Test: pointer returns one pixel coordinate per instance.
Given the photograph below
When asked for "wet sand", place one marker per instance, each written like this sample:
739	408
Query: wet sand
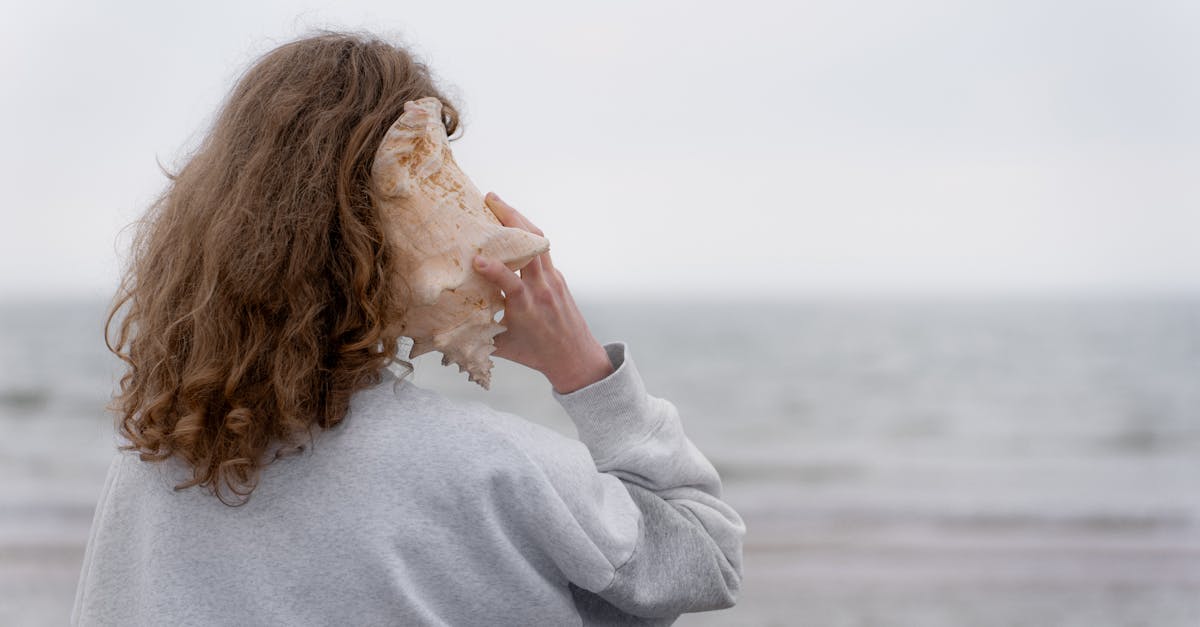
848	572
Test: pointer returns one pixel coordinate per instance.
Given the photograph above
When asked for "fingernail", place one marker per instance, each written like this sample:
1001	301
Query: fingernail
480	262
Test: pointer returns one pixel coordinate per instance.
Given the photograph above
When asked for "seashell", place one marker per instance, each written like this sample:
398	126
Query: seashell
436	222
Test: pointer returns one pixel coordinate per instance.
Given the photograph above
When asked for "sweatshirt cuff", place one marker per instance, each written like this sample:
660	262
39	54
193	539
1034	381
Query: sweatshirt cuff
614	412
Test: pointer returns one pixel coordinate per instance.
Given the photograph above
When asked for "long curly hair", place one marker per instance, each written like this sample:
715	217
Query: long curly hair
257	299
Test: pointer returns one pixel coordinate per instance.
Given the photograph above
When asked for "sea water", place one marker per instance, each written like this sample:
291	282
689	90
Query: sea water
1019	461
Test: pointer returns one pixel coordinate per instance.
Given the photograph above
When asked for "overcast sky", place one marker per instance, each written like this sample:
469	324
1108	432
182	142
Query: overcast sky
791	147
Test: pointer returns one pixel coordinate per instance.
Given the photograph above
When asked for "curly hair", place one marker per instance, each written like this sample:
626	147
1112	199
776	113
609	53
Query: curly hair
257	299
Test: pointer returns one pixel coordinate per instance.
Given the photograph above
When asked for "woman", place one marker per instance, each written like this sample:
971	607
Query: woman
274	472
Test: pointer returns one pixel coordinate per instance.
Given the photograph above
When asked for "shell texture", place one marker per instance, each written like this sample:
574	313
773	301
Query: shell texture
437	222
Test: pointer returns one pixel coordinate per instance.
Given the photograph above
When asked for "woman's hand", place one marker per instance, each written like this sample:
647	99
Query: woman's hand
544	329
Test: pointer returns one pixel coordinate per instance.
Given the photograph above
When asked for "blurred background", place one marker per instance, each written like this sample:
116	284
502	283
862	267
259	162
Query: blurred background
923	278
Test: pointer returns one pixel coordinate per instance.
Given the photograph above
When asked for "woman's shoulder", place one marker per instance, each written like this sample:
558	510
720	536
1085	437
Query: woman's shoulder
398	414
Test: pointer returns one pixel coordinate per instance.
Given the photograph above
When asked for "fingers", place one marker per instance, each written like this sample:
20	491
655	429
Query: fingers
499	275
533	269
529	226
547	264
503	212
508	215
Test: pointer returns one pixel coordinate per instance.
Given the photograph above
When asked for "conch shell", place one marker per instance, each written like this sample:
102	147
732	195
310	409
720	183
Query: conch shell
436	223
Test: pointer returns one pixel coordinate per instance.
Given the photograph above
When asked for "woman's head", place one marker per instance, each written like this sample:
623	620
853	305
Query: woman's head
256	300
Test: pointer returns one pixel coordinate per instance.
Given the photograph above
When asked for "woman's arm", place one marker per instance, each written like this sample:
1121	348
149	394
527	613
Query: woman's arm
544	329
632	513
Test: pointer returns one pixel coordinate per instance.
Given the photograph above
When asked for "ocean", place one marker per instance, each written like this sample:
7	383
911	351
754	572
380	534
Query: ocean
937	462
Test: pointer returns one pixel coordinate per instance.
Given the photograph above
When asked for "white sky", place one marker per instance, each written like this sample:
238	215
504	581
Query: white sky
671	147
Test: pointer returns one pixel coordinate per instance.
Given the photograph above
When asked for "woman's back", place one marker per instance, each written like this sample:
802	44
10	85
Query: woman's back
418	510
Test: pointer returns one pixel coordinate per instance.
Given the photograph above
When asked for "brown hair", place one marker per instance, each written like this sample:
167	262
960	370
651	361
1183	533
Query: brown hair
257	298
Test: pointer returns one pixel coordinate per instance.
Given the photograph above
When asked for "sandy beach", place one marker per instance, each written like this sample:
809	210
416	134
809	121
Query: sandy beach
893	466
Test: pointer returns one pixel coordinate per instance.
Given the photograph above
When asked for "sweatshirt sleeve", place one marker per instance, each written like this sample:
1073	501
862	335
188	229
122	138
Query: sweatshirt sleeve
631	513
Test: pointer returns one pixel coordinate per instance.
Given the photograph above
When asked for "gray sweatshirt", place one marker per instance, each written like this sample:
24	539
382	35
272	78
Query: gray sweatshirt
418	510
